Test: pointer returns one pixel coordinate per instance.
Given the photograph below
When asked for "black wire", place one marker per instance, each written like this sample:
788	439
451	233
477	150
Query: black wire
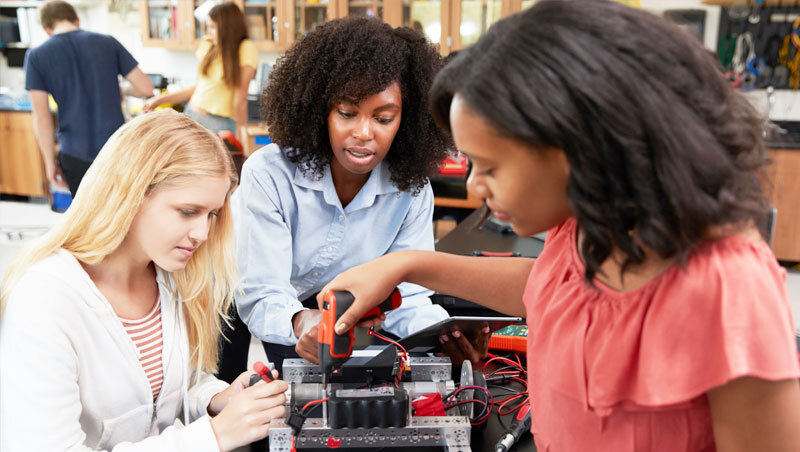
514	367
500	418
506	388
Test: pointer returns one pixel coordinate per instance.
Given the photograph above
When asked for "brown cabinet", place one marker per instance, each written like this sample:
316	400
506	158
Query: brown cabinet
21	168
783	191
275	24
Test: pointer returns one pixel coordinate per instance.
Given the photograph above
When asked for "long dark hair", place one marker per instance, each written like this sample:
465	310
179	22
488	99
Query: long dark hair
660	147
231	31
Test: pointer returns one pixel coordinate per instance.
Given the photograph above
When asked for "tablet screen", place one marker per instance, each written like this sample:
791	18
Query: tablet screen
427	339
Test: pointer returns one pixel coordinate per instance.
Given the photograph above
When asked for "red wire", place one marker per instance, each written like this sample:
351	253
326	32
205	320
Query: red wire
372	332
313	402
504	360
513	408
512	397
520	380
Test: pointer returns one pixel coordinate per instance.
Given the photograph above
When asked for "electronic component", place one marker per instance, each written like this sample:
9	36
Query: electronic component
365	408
335	349
513	338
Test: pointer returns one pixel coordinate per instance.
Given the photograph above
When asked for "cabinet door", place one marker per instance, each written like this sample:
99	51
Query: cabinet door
783	190
305	15
431	18
162	23
472	18
366	8
21	168
264	24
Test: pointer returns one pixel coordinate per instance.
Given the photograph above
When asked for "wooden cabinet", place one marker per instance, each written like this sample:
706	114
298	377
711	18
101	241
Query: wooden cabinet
266	23
783	190
21	168
167	23
275	24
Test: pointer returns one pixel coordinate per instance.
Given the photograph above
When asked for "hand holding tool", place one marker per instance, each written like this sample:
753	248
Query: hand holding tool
262	372
335	349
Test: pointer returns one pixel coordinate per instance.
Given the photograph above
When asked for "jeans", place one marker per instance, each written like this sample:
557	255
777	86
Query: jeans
211	122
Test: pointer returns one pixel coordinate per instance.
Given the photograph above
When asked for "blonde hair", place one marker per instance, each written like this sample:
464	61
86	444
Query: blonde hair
143	155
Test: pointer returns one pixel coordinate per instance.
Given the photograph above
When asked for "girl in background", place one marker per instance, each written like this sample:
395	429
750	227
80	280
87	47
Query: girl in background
658	316
110	321
228	61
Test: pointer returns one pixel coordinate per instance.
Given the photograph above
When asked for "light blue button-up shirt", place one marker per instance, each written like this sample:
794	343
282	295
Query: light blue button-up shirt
293	236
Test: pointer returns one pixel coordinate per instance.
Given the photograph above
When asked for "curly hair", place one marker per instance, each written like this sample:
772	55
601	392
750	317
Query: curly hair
661	149
351	59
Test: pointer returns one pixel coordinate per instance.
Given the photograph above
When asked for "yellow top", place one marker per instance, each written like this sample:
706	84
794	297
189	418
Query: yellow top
211	94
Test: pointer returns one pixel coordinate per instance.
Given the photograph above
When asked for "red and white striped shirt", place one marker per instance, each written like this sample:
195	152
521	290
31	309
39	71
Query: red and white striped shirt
146	335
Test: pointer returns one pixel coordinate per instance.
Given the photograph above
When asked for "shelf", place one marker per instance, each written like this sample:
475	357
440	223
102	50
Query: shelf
14	45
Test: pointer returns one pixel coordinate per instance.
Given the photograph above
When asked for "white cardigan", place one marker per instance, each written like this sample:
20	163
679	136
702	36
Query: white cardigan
70	377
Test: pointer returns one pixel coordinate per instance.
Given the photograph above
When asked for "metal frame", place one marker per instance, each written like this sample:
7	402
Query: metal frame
433	368
427	374
450	432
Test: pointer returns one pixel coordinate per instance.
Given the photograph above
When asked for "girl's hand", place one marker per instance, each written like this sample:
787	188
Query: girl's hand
460	349
151	104
248	412
370	284
221	399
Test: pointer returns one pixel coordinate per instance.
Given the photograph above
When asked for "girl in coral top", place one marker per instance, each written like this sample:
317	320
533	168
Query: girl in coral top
658	316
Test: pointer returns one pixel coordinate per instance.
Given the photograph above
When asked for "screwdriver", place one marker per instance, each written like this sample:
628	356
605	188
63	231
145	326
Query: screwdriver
263	372
521	424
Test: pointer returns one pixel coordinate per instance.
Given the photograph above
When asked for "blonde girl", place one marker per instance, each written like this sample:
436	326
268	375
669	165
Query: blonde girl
110	321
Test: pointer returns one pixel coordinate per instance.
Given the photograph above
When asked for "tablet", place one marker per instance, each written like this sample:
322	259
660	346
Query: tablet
427	339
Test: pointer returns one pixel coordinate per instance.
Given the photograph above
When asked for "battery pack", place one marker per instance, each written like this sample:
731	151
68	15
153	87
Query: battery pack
366	408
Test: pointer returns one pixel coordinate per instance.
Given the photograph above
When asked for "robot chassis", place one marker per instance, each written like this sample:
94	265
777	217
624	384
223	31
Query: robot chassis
428	375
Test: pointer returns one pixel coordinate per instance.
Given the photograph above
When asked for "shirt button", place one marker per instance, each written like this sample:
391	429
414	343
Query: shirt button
341	217
330	249
315	274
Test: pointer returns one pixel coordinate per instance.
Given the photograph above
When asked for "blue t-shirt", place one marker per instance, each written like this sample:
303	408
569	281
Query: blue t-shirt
79	69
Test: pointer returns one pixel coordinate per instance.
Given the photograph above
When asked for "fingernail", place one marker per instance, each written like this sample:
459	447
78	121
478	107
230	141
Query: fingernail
341	328
486	329
443	338
456	334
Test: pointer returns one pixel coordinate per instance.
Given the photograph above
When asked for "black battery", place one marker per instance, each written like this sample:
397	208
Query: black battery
384	407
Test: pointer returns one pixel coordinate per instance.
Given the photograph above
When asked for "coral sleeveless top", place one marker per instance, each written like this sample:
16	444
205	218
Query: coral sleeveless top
629	371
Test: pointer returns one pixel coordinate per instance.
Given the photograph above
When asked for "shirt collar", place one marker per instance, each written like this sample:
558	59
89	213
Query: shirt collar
379	183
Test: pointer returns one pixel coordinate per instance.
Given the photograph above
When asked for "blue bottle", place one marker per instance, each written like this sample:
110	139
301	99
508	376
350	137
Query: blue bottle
60	199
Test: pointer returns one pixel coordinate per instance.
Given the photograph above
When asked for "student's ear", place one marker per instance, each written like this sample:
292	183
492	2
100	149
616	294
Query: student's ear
49	31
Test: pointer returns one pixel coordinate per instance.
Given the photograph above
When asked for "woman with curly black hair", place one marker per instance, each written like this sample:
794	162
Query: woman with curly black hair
345	181
658	315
